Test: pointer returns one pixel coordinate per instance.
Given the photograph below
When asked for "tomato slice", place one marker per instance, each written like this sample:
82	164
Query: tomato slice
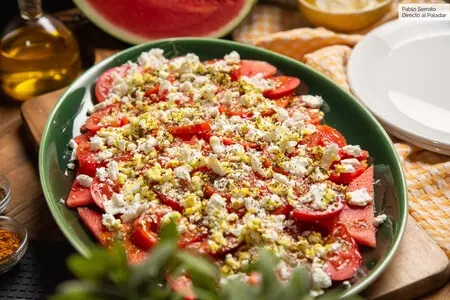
346	178
79	195
311	215
345	262
143	238
283	102
359	220
93	123
197	128
285	209
284	85
203	247
326	135
101	190
105	82
251	68
169	202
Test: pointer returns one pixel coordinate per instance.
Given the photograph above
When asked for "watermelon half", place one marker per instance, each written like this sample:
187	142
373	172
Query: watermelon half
138	21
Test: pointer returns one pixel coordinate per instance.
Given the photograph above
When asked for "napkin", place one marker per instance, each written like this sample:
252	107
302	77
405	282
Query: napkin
280	27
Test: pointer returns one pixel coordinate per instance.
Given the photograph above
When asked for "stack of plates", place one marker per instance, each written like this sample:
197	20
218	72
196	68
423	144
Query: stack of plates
401	72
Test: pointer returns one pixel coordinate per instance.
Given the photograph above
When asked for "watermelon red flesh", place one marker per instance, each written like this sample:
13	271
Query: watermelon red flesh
137	21
359	220
93	221
79	195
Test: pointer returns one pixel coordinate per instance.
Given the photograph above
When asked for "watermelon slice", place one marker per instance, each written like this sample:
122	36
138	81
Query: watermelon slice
138	21
93	221
79	195
359	220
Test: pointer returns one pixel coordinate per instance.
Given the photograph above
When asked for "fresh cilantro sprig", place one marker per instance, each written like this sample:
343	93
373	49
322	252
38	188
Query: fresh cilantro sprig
105	274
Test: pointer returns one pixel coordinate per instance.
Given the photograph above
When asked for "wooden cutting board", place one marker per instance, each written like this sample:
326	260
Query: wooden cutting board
418	267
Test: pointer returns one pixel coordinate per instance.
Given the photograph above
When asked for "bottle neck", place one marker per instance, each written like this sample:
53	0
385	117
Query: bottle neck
30	9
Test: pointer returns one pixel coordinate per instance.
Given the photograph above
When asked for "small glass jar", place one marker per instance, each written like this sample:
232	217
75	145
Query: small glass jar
4	201
11	260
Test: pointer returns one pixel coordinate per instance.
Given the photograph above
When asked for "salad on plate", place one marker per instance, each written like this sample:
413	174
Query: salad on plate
227	150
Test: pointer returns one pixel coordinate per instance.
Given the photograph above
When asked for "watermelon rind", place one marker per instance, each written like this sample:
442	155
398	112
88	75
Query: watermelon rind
131	38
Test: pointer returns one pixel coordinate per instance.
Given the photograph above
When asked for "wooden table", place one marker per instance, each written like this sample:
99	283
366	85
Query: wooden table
18	162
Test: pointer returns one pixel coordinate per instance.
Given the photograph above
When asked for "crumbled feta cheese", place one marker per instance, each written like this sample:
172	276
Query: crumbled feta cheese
121	145
216	145
320	279
281	114
104	155
257	165
62	201
73	144
330	155
84	180
315	196
349	165
359	197
153	59
258	82
352	150
312	101
101	174
70	166
96	143
117	199
182	172
113	170
131	147
296	166
98	106
281	178
346	284
164	86
380	219
232	58
217	202
110	222
148	145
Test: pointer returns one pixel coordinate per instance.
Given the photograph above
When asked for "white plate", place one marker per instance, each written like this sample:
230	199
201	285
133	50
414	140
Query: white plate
401	72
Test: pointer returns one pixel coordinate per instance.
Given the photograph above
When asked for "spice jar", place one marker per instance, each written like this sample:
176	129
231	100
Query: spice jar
5	193
13	243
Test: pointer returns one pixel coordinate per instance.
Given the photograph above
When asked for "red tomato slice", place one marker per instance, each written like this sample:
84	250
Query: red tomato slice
311	215
359	220
93	221
105	82
326	135
203	247
285	209
101	190
182	286
79	195
345	262
169	202
143	238
87	160
363	156
346	178
197	128
283	102
234	111
93	123
251	68
284	85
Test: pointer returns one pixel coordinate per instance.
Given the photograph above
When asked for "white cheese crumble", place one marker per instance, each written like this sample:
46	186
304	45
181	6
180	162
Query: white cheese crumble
296	166
359	197
350	164
70	166
96	143
312	101
153	59
216	145
84	180
101	174
258	82
320	279
330	155
148	145
110	222
113	170
182	172
380	219
104	155
232	58
315	196
352	150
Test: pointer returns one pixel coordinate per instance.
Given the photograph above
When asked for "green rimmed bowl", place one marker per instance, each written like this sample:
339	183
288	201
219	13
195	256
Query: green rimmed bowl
341	109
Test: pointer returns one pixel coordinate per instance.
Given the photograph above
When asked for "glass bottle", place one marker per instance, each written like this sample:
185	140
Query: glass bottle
38	53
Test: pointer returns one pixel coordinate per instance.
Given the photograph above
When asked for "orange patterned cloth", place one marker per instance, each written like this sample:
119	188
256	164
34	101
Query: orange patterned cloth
284	30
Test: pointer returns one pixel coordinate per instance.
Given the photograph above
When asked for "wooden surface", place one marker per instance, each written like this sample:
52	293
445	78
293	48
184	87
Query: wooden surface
419	266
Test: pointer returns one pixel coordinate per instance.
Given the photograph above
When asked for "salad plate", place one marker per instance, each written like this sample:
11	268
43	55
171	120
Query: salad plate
341	111
399	71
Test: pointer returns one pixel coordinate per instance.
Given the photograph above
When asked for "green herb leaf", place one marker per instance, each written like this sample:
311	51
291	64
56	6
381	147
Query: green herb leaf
298	285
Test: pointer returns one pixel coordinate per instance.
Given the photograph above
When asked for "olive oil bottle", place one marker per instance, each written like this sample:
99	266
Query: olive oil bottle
38	53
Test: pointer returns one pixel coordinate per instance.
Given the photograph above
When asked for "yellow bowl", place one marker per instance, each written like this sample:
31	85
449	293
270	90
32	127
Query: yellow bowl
343	21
